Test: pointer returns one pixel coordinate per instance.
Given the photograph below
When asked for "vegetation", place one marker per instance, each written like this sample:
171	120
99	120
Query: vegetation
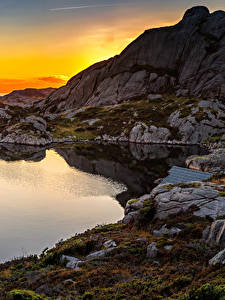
115	120
126	273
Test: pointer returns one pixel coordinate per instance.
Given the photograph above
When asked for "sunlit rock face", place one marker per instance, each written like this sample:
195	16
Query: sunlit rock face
187	58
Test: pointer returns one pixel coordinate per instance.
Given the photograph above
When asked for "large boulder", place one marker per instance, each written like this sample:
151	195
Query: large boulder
215	234
214	162
219	258
203	198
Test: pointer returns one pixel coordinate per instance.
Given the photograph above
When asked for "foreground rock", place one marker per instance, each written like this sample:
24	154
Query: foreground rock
214	162
219	258
71	262
215	234
206	199
202	198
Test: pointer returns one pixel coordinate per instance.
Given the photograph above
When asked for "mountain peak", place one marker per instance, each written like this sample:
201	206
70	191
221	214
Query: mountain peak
197	11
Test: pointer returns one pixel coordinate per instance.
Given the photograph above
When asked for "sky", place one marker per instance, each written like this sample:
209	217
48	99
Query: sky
43	43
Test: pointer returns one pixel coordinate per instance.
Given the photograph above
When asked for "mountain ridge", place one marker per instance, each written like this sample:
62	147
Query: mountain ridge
189	56
167	86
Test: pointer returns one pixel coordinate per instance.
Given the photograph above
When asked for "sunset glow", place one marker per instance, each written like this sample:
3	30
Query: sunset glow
44	44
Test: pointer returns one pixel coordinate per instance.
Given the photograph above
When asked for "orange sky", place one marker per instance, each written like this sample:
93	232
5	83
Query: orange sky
41	47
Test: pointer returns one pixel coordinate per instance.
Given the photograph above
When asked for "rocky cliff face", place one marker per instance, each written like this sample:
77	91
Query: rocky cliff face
188	58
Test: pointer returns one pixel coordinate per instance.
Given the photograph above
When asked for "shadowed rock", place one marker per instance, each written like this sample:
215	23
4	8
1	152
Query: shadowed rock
188	57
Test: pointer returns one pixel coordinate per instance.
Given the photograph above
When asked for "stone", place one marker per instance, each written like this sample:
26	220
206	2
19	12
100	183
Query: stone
142	240
164	230
71	262
152	251
69	281
100	254
143	134
207	199
91	121
215	234
168	247
214	162
182	92
154	97
219	258
109	244
44	289
37	122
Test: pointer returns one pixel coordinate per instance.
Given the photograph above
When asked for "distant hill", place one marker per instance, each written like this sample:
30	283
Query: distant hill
25	98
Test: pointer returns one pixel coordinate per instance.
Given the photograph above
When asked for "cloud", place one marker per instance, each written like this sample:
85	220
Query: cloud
8	85
54	79
87	6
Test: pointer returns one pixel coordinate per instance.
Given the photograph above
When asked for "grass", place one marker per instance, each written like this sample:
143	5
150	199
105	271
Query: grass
182	273
114	120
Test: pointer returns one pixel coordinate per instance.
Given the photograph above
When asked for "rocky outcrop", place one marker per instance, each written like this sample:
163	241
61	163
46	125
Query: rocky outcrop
152	251
205	199
214	162
30	131
201	198
215	234
164	230
192	124
219	258
188	58
143	134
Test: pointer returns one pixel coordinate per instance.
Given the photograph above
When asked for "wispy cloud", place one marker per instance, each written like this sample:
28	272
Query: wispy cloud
87	6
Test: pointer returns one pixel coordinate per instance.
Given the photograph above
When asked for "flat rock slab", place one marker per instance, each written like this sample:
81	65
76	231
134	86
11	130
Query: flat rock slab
207	199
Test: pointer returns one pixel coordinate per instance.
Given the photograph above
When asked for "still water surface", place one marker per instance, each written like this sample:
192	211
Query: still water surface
46	195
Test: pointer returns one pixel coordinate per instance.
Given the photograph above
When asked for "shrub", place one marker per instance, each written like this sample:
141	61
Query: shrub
207	292
24	295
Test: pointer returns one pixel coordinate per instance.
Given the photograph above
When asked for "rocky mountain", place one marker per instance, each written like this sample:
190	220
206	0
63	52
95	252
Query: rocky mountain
167	87
188	59
25	98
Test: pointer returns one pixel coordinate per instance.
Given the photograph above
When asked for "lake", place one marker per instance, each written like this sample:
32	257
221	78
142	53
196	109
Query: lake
51	194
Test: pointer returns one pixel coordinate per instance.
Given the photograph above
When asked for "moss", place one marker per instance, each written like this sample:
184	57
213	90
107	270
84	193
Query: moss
24	295
122	118
196	184
167	186
207	292
132	201
221	194
88	296
108	228
146	213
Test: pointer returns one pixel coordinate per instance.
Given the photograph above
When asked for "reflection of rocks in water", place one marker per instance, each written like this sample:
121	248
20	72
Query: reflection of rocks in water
11	152
155	151
136	166
144	151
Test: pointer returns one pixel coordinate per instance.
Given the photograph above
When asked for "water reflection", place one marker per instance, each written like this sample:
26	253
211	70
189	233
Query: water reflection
42	202
137	166
48	194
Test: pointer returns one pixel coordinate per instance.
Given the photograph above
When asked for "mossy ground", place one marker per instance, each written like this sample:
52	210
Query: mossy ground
114	120
180	273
